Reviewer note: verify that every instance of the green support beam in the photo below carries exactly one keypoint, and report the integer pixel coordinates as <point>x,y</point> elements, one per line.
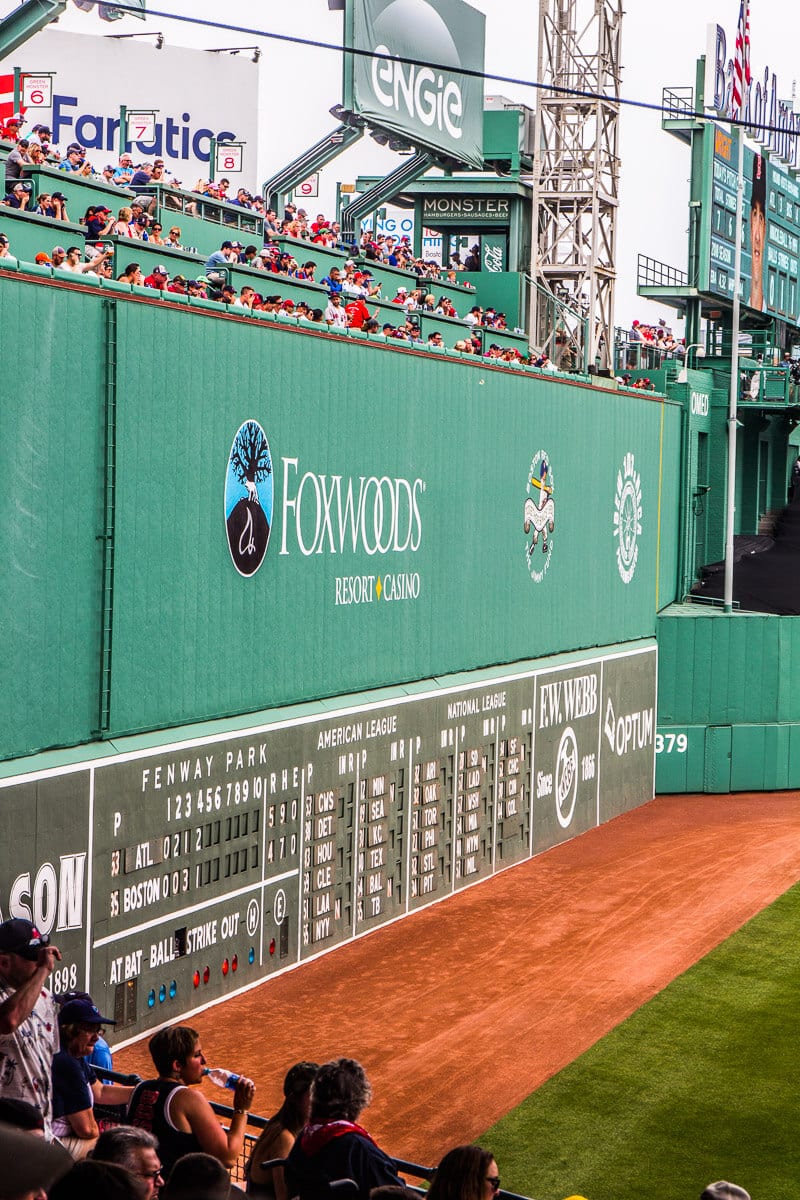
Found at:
<point>383,191</point>
<point>31,17</point>
<point>281,185</point>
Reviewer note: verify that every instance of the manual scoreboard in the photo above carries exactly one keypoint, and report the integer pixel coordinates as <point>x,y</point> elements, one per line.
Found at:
<point>174,875</point>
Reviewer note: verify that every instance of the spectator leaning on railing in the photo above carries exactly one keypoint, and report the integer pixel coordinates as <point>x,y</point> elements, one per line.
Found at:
<point>18,159</point>
<point>74,160</point>
<point>19,196</point>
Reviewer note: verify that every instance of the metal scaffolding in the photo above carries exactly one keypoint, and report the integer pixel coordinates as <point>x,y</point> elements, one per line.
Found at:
<point>576,178</point>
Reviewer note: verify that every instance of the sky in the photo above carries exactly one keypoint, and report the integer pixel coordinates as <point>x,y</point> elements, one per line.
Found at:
<point>660,45</point>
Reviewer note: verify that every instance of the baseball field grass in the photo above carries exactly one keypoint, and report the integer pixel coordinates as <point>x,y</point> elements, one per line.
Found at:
<point>701,1083</point>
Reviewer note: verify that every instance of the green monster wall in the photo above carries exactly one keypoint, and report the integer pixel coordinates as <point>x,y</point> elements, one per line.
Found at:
<point>122,608</point>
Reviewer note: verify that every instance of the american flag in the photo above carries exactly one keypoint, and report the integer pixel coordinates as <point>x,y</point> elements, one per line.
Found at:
<point>741,63</point>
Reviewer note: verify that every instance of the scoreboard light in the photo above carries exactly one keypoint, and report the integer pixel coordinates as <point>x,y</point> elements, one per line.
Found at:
<point>235,962</point>
<point>196,979</point>
<point>272,946</point>
<point>251,957</point>
<point>225,966</point>
<point>151,998</point>
<point>173,989</point>
<point>162,993</point>
<point>206,974</point>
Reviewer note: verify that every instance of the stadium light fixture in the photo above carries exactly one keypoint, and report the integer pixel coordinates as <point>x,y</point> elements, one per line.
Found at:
<point>157,34</point>
<point>234,50</point>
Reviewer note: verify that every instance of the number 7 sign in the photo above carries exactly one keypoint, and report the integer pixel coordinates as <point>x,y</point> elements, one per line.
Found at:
<point>141,126</point>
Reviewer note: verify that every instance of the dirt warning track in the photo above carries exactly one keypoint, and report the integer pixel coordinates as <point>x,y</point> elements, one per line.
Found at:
<point>460,1011</point>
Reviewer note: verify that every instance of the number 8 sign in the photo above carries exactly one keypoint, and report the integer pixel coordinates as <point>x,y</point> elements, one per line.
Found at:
<point>229,158</point>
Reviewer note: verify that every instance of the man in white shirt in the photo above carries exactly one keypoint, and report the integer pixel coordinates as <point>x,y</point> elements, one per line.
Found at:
<point>335,313</point>
<point>28,1016</point>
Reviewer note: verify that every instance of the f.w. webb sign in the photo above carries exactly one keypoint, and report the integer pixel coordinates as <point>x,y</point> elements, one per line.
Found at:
<point>435,106</point>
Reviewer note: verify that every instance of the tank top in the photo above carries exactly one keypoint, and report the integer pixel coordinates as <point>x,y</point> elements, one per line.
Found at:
<point>149,1109</point>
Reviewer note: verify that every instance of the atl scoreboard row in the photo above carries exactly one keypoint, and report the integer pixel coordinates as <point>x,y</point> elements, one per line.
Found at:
<point>171,876</point>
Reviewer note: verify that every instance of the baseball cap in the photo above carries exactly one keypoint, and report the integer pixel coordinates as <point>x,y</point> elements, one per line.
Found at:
<point>59,250</point>
<point>83,1012</point>
<point>160,270</point>
<point>21,937</point>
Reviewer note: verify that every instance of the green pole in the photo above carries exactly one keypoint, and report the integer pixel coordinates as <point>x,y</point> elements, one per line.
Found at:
<point>17,89</point>
<point>123,130</point>
<point>212,159</point>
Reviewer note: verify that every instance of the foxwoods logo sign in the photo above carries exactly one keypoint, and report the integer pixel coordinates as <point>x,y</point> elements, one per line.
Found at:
<point>320,514</point>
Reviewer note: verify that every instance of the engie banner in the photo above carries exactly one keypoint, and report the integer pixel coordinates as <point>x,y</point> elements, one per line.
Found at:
<point>441,109</point>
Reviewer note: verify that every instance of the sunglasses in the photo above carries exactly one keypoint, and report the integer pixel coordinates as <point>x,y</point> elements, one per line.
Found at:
<point>150,1174</point>
<point>494,1182</point>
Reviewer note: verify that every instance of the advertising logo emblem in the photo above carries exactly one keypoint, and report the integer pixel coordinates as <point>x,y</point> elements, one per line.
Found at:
<point>248,497</point>
<point>628,518</point>
<point>566,777</point>
<point>540,514</point>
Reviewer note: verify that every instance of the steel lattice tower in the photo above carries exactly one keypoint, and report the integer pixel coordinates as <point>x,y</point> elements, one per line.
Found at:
<point>576,180</point>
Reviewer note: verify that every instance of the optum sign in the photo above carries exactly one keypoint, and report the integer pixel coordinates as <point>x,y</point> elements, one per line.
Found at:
<point>436,105</point>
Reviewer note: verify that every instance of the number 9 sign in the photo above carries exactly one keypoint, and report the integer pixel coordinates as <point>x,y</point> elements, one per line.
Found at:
<point>229,158</point>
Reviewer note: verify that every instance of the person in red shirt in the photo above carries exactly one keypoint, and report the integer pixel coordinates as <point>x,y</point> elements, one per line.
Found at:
<point>10,131</point>
<point>358,313</point>
<point>158,279</point>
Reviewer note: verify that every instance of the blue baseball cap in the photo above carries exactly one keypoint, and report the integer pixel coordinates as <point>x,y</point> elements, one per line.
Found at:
<point>82,1012</point>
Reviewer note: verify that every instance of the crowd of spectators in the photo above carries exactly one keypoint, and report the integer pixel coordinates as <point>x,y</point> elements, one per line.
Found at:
<point>351,290</point>
<point>656,337</point>
<point>52,1146</point>
<point>397,252</point>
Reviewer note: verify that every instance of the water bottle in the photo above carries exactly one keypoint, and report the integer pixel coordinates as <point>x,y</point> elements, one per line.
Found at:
<point>221,1077</point>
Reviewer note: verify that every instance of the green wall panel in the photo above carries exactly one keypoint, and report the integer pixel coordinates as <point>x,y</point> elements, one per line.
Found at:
<point>51,457</point>
<point>190,638</point>
<point>729,706</point>
<point>726,670</point>
<point>669,540</point>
